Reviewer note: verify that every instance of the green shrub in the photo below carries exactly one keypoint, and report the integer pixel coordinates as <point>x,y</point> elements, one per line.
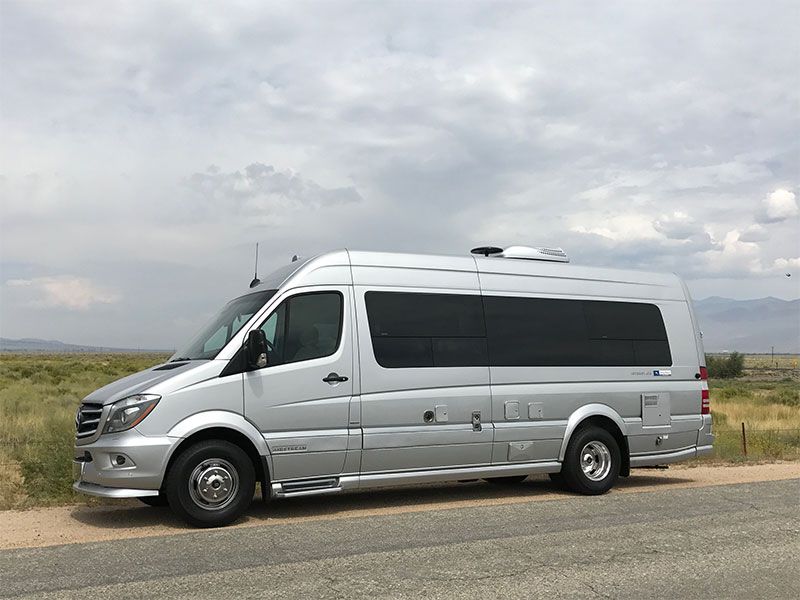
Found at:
<point>785,396</point>
<point>737,391</point>
<point>725,367</point>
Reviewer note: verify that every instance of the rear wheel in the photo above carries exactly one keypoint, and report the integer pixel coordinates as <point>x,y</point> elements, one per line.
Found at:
<point>211,483</point>
<point>510,480</point>
<point>592,461</point>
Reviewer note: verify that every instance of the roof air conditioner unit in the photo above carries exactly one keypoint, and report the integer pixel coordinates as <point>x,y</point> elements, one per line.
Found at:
<point>524,252</point>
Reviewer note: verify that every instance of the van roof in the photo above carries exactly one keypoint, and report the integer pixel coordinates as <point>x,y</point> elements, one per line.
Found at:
<point>357,266</point>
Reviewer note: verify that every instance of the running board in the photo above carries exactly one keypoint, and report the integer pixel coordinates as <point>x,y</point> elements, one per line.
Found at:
<point>331,485</point>
<point>307,487</point>
<point>411,477</point>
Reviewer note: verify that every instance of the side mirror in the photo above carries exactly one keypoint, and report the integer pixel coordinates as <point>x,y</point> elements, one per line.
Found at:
<point>255,349</point>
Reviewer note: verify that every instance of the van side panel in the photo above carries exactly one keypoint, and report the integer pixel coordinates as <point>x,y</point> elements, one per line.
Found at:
<point>532,405</point>
<point>394,401</point>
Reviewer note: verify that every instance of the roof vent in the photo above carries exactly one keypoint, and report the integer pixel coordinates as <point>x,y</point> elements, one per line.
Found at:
<point>524,252</point>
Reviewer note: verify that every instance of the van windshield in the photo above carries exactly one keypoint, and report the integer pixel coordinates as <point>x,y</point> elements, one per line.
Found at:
<point>219,331</point>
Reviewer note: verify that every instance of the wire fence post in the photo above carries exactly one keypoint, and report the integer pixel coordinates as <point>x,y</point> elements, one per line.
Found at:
<point>744,441</point>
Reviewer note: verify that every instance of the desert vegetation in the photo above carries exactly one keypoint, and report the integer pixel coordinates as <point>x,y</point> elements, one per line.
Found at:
<point>39,394</point>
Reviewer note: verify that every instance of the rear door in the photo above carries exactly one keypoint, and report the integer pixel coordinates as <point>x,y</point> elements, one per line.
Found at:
<point>301,400</point>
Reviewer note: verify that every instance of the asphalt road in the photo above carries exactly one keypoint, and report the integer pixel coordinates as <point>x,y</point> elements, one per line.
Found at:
<point>732,541</point>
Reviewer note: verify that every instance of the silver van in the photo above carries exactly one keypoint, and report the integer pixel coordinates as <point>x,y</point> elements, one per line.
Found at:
<point>353,370</point>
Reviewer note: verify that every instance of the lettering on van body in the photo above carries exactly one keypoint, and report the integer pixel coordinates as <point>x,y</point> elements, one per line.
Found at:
<point>290,448</point>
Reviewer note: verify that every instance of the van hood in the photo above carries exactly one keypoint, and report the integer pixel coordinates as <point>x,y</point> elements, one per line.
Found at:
<point>140,382</point>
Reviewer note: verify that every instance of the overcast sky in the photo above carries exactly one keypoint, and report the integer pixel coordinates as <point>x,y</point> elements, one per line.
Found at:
<point>145,147</point>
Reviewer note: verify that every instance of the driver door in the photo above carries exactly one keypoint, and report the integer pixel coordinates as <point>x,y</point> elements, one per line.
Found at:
<point>301,400</point>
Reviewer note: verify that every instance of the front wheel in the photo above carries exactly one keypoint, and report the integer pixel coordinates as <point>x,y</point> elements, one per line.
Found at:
<point>211,483</point>
<point>592,461</point>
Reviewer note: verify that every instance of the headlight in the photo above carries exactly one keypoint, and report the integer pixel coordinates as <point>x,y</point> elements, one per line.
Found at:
<point>130,412</point>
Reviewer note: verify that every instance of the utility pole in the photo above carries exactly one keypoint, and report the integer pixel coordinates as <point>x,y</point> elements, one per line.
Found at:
<point>773,356</point>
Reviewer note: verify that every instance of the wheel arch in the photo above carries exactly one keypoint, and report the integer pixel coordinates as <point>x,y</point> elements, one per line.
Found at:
<point>223,425</point>
<point>605,417</point>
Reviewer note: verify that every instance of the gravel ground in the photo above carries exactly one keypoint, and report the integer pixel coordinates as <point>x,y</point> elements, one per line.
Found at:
<point>716,541</point>
<point>128,519</point>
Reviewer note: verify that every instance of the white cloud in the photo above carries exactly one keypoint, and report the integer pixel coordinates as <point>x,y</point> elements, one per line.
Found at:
<point>733,256</point>
<point>786,263</point>
<point>620,228</point>
<point>72,293</point>
<point>779,206</point>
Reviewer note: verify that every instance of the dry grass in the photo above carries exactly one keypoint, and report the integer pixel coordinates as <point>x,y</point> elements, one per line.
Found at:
<point>770,411</point>
<point>766,361</point>
<point>39,394</point>
<point>756,407</point>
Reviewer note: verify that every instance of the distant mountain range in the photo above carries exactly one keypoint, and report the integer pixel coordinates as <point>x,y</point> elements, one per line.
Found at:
<point>727,325</point>
<point>37,345</point>
<point>749,325</point>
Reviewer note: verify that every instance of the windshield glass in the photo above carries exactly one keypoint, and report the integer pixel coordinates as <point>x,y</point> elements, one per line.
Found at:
<point>227,323</point>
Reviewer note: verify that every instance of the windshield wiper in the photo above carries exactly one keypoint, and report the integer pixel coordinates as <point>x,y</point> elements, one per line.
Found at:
<point>181,359</point>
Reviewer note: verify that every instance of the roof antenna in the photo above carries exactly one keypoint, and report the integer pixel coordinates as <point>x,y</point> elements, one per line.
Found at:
<point>486,250</point>
<point>256,280</point>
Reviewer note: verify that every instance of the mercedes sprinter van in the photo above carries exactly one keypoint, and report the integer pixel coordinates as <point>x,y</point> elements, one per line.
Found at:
<point>353,370</point>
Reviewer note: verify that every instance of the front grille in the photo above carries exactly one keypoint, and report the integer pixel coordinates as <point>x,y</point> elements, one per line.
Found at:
<point>87,420</point>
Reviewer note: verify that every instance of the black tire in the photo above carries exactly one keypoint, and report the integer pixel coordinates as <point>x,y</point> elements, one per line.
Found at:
<point>510,480</point>
<point>160,500</point>
<point>227,472</point>
<point>556,478</point>
<point>597,449</point>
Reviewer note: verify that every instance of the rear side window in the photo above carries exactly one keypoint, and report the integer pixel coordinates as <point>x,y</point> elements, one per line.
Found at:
<point>552,332</point>
<point>536,332</point>
<point>426,330</point>
<point>456,330</point>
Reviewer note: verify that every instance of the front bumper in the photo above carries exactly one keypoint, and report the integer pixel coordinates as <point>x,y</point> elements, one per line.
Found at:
<point>93,489</point>
<point>96,467</point>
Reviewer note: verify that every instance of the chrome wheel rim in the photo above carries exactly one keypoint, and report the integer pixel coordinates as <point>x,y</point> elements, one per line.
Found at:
<point>596,461</point>
<point>213,484</point>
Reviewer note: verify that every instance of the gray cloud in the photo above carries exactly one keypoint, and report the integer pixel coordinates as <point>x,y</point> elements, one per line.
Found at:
<point>754,233</point>
<point>647,136</point>
<point>263,193</point>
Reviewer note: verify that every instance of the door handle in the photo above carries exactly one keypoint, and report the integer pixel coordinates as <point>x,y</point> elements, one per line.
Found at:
<point>476,421</point>
<point>334,378</point>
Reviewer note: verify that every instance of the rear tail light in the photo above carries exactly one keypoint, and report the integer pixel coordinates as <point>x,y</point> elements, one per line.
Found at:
<point>705,398</point>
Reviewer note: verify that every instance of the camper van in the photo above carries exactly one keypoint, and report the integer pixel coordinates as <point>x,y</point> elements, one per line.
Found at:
<point>354,370</point>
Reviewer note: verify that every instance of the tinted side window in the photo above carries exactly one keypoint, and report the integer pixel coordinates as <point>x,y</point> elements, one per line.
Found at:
<point>536,332</point>
<point>426,330</point>
<point>551,332</point>
<point>628,333</point>
<point>304,327</point>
